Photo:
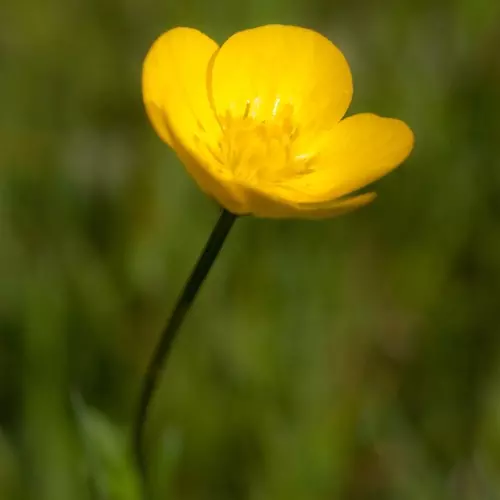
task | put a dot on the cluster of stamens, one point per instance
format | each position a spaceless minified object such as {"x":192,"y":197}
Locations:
{"x":262,"y":150}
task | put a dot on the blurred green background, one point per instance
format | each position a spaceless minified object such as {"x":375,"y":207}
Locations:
{"x":353,"y":358}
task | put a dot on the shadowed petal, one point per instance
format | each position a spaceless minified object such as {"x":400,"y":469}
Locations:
{"x":175,"y":95}
{"x":270,"y":205}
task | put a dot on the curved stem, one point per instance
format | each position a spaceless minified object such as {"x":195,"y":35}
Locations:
{"x":153,"y":372}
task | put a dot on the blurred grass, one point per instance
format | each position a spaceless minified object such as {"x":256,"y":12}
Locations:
{"x":354,"y":358}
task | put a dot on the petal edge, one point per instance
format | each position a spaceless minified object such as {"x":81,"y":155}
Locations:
{"x":361,"y":149}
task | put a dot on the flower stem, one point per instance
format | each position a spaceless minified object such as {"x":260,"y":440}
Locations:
{"x":153,"y":372}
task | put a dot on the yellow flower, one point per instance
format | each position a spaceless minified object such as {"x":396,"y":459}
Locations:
{"x":258,"y":121}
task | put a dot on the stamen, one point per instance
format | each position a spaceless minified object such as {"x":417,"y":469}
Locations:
{"x":265,"y":149}
{"x":247,"y":110}
{"x":276,"y":105}
{"x":200,"y":125}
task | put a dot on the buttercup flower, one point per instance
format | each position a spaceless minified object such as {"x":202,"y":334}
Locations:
{"x":258,"y":121}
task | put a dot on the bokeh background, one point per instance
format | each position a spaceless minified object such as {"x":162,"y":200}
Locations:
{"x":356,"y":358}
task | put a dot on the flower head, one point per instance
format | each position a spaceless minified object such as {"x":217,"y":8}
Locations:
{"x":258,"y":121}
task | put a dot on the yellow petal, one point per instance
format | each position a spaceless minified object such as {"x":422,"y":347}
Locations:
{"x":281,"y":71}
{"x":175,"y":95}
{"x":218,"y":185}
{"x":174,"y":82}
{"x":271,"y":205}
{"x":359,"y":150}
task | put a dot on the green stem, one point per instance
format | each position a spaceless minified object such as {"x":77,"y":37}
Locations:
{"x":153,"y":372}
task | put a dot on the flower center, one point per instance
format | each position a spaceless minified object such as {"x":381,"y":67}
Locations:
{"x":263,"y":150}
